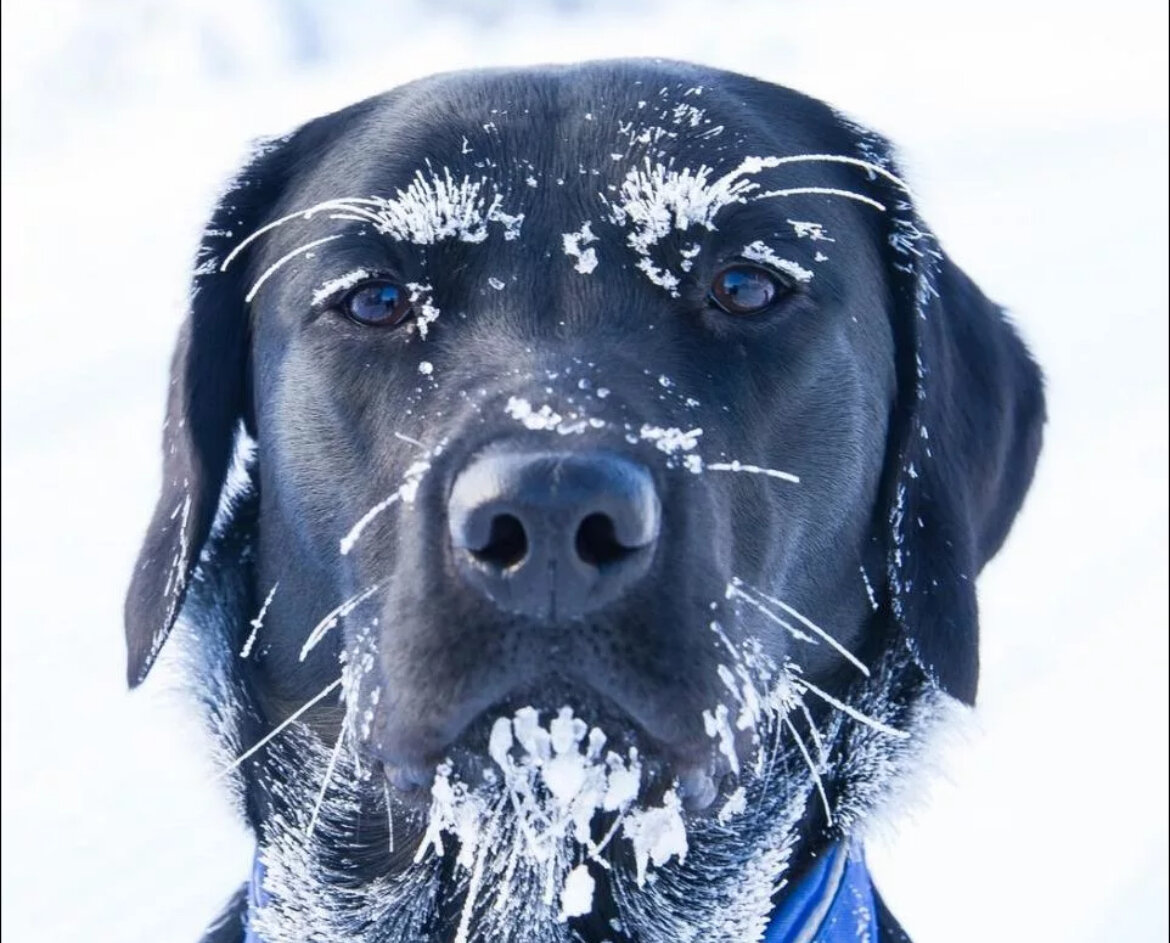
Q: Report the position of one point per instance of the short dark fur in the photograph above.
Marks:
(913, 420)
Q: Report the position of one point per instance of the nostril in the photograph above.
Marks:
(507, 543)
(597, 543)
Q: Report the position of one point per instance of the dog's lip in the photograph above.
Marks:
(695, 769)
(698, 784)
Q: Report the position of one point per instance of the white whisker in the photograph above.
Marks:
(737, 466)
(596, 850)
(346, 205)
(350, 217)
(292, 718)
(840, 159)
(389, 813)
(325, 782)
(734, 590)
(351, 538)
(823, 191)
(808, 623)
(258, 623)
(811, 768)
(812, 729)
(473, 884)
(406, 438)
(272, 269)
(851, 711)
(404, 492)
(332, 618)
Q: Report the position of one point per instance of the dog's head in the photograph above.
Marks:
(634, 389)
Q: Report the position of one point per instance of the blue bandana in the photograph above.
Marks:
(832, 903)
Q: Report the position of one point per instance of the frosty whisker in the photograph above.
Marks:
(332, 618)
(735, 591)
(344, 205)
(851, 711)
(840, 159)
(822, 191)
(288, 256)
(737, 466)
(258, 623)
(486, 841)
(288, 721)
(325, 781)
(349, 217)
(740, 586)
(813, 732)
(351, 538)
(404, 492)
(389, 813)
(811, 767)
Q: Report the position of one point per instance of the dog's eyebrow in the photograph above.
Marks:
(656, 199)
(432, 208)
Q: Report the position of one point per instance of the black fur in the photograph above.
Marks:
(901, 396)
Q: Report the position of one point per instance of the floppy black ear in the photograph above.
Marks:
(966, 436)
(208, 397)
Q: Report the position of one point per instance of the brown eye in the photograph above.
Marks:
(378, 304)
(745, 289)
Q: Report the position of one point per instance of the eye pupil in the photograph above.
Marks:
(744, 289)
(377, 303)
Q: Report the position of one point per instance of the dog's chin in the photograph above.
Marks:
(567, 722)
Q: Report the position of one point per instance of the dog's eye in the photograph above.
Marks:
(745, 289)
(379, 304)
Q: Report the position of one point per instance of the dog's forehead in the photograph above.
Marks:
(576, 182)
(556, 139)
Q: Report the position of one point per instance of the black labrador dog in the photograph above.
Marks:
(575, 481)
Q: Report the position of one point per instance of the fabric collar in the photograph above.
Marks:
(832, 903)
(257, 898)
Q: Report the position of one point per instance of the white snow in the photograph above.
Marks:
(735, 805)
(89, 97)
(555, 779)
(574, 244)
(544, 418)
(806, 229)
(759, 251)
(335, 286)
(657, 834)
(577, 894)
(425, 311)
(670, 440)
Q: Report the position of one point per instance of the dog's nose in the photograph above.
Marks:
(553, 535)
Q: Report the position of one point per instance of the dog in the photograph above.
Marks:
(575, 482)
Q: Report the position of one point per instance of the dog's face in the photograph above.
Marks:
(617, 389)
(558, 423)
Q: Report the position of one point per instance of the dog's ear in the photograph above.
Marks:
(964, 441)
(207, 400)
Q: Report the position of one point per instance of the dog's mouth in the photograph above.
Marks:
(563, 748)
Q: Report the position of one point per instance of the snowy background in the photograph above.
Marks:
(1037, 137)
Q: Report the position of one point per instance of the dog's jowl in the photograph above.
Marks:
(575, 481)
